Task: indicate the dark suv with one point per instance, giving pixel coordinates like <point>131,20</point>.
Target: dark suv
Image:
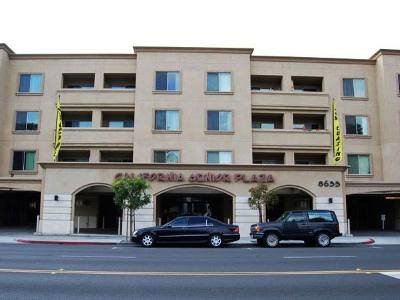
<point>314,227</point>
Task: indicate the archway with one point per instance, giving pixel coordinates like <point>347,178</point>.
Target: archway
<point>95,210</point>
<point>290,198</point>
<point>194,200</point>
<point>19,210</point>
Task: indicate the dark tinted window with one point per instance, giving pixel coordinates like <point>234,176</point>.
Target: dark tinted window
<point>213,222</point>
<point>197,221</point>
<point>180,222</point>
<point>296,217</point>
<point>320,216</point>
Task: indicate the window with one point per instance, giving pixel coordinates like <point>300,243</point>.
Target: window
<point>167,156</point>
<point>267,121</point>
<point>78,81</point>
<point>219,157</point>
<point>24,160</point>
<point>219,120</point>
<point>356,125</point>
<point>268,158</point>
<point>180,222</point>
<point>27,120</point>
<point>30,83</point>
<point>197,221</point>
<point>74,156</point>
<point>310,158</point>
<point>167,120</point>
<point>77,119</point>
<point>359,164</point>
<point>354,88</point>
<point>296,217</point>
<point>168,81</point>
<point>219,82</point>
<point>320,216</point>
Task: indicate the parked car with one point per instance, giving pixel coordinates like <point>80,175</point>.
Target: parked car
<point>314,227</point>
<point>188,229</point>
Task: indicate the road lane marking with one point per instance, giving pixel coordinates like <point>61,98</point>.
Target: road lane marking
<point>320,256</point>
<point>392,274</point>
<point>131,273</point>
<point>96,256</point>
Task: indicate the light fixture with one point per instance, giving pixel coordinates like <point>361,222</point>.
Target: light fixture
<point>55,197</point>
<point>330,200</point>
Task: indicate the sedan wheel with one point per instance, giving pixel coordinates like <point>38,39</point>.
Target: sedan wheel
<point>147,240</point>
<point>215,240</point>
<point>323,240</point>
<point>271,240</point>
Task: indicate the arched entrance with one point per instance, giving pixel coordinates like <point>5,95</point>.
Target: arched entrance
<point>289,198</point>
<point>95,211</point>
<point>194,200</point>
<point>19,209</point>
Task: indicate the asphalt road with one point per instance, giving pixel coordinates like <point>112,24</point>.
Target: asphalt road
<point>234,272</point>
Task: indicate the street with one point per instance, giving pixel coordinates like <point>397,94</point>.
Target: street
<point>171,272</point>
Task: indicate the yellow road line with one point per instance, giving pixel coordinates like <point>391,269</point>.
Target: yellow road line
<point>129,273</point>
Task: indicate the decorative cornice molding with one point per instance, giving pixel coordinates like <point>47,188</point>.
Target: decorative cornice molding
<point>194,167</point>
<point>7,49</point>
<point>192,49</point>
<point>385,52</point>
<point>73,56</point>
<point>313,60</point>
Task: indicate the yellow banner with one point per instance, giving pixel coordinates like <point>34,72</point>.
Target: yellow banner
<point>337,136</point>
<point>59,131</point>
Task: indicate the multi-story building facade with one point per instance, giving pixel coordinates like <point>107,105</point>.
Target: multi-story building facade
<point>203,125</point>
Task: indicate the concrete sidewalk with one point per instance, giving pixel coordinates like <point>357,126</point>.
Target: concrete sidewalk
<point>82,239</point>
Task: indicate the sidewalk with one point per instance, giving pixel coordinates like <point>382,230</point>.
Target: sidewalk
<point>82,239</point>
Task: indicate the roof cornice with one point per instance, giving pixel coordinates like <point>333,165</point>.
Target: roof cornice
<point>313,60</point>
<point>74,56</point>
<point>192,49</point>
<point>385,52</point>
<point>5,47</point>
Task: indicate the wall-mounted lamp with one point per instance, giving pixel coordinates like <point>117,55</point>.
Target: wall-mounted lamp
<point>330,200</point>
<point>55,197</point>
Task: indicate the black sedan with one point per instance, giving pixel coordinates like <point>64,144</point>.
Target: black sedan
<point>190,229</point>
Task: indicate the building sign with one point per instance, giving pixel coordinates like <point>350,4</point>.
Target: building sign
<point>202,177</point>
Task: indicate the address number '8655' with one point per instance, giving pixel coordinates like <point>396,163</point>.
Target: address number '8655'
<point>328,183</point>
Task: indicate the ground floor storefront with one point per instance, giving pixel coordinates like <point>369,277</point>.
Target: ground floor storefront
<point>77,197</point>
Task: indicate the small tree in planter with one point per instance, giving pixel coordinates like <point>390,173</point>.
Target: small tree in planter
<point>262,197</point>
<point>131,193</point>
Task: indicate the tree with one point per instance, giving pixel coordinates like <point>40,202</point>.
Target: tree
<point>131,193</point>
<point>260,197</point>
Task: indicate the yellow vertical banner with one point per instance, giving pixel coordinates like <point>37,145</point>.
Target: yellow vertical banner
<point>337,136</point>
<point>59,130</point>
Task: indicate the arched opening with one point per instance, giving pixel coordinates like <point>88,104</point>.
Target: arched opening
<point>95,211</point>
<point>289,198</point>
<point>194,200</point>
<point>19,210</point>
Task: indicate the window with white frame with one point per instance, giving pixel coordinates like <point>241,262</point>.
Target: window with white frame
<point>30,83</point>
<point>359,164</point>
<point>356,125</point>
<point>219,157</point>
<point>168,81</point>
<point>167,156</point>
<point>168,120</point>
<point>219,82</point>
<point>219,120</point>
<point>354,87</point>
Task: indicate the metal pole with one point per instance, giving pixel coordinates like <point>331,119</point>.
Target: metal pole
<point>159,221</point>
<point>77,229</point>
<point>119,225</point>
<point>127,232</point>
<point>37,223</point>
<point>103,223</point>
<point>348,227</point>
<point>229,221</point>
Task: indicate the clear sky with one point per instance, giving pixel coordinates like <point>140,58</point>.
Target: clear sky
<point>325,28</point>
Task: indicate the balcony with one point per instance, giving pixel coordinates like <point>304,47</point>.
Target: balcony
<point>268,158</point>
<point>119,81</point>
<point>116,156</point>
<point>78,81</point>
<point>74,155</point>
<point>291,139</point>
<point>266,83</point>
<point>308,122</point>
<point>107,137</point>
<point>267,121</point>
<point>117,119</point>
<point>290,100</point>
<point>307,83</point>
<point>310,158</point>
<point>102,98</point>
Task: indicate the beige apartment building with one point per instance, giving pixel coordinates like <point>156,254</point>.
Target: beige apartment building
<point>203,125</point>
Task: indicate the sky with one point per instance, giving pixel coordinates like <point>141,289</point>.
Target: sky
<point>321,28</point>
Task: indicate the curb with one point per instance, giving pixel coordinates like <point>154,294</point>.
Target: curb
<point>65,242</point>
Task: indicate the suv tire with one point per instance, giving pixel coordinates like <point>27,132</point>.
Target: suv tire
<point>271,239</point>
<point>323,239</point>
